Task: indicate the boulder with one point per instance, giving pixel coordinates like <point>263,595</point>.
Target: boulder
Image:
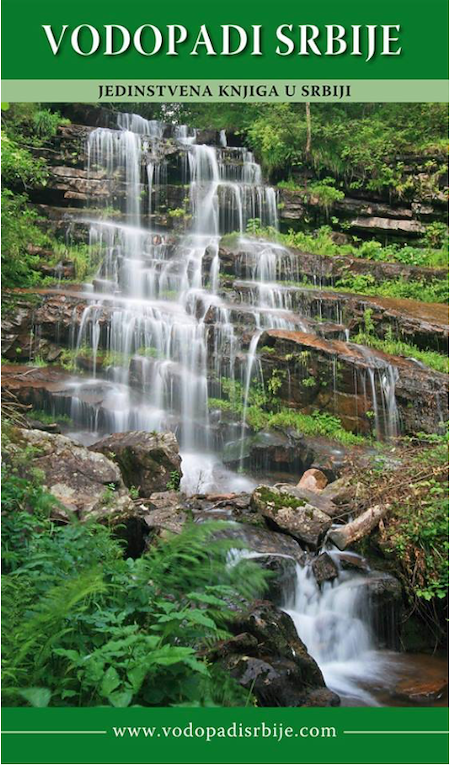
<point>351,561</point>
<point>291,514</point>
<point>318,500</point>
<point>324,568</point>
<point>385,599</point>
<point>85,483</point>
<point>267,657</point>
<point>164,512</point>
<point>149,461</point>
<point>341,491</point>
<point>283,583</point>
<point>314,480</point>
<point>275,552</point>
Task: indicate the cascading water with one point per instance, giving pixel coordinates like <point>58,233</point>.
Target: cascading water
<point>145,323</point>
<point>156,324</point>
<point>334,622</point>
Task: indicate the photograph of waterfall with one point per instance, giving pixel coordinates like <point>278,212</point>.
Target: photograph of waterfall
<point>225,394</point>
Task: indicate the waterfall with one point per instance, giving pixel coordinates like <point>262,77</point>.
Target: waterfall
<point>158,331</point>
<point>334,622</point>
<point>139,125</point>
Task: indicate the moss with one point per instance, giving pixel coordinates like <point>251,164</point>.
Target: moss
<point>280,500</point>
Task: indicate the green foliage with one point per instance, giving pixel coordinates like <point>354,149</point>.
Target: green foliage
<point>431,291</point>
<point>264,410</point>
<point>32,122</point>
<point>47,418</point>
<point>326,193</point>
<point>436,235</point>
<point>174,482</point>
<point>321,242</point>
<point>45,123</point>
<point>418,525</point>
<point>20,169</point>
<point>84,627</point>
<point>316,423</point>
<point>19,228</point>
<point>177,213</point>
<point>393,346</point>
<point>86,259</point>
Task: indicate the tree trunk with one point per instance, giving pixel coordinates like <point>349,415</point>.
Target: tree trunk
<point>308,144</point>
<point>358,528</point>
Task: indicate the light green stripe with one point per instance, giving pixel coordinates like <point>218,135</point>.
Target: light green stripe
<point>360,90</point>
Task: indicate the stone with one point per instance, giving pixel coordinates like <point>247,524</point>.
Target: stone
<point>383,588</point>
<point>291,515</point>
<point>267,657</point>
<point>324,568</point>
<point>351,561</point>
<point>166,519</point>
<point>314,480</point>
<point>282,583</point>
<point>318,500</point>
<point>422,692</point>
<point>385,599</point>
<point>322,697</point>
<point>341,491</point>
<point>275,552</point>
<point>149,461</point>
<point>85,483</point>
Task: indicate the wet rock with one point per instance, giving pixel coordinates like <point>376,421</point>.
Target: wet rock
<point>163,512</point>
<point>84,482</point>
<point>268,450</point>
<point>330,268</point>
<point>169,519</point>
<point>148,461</point>
<point>267,657</point>
<point>385,598</point>
<point>283,581</point>
<point>314,480</point>
<point>383,588</point>
<point>291,515</point>
<point>17,324</point>
<point>421,393</point>
<point>54,428</point>
<point>350,561</point>
<point>265,542</point>
<point>422,692</point>
<point>324,568</point>
<point>322,697</point>
<point>275,552</point>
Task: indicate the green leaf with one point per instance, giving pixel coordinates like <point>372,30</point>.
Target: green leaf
<point>136,676</point>
<point>120,699</point>
<point>110,681</point>
<point>199,618</point>
<point>37,697</point>
<point>208,599</point>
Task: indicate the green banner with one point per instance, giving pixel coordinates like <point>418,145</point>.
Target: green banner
<point>166,41</point>
<point>184,735</point>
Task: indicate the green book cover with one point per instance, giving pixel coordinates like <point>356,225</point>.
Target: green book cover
<point>225,383</point>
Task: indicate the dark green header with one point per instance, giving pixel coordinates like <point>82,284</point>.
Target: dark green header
<point>349,40</point>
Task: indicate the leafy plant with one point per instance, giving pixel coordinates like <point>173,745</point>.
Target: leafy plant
<point>85,627</point>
